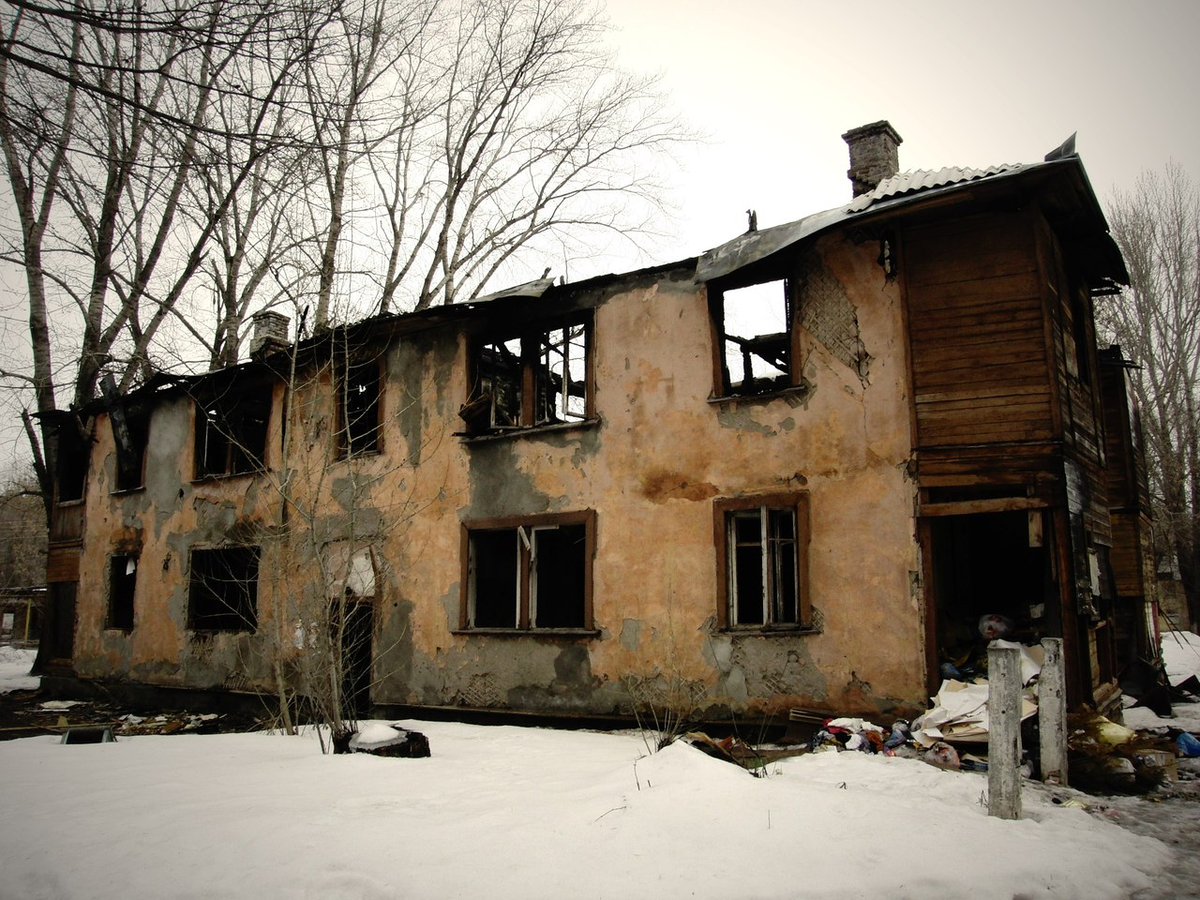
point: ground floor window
(122, 578)
(224, 589)
(762, 548)
(529, 574)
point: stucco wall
(651, 468)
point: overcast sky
(775, 84)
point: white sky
(776, 83)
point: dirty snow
(507, 812)
(15, 664)
(1181, 655)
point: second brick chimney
(874, 155)
(270, 334)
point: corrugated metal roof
(924, 180)
(899, 189)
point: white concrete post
(1052, 713)
(1004, 731)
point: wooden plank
(1035, 389)
(989, 505)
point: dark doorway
(60, 619)
(357, 634)
(991, 564)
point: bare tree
(106, 114)
(527, 131)
(1157, 226)
(177, 165)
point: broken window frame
(530, 540)
(518, 383)
(360, 424)
(122, 591)
(130, 474)
(780, 350)
(223, 588)
(72, 459)
(784, 601)
(232, 427)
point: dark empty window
(70, 462)
(122, 577)
(540, 377)
(764, 542)
(224, 589)
(131, 433)
(529, 576)
(231, 428)
(754, 324)
(359, 395)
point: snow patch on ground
(1181, 656)
(507, 812)
(15, 664)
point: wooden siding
(62, 563)
(977, 333)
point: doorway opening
(993, 576)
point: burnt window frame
(237, 568)
(232, 427)
(726, 511)
(523, 534)
(786, 341)
(120, 614)
(529, 407)
(130, 474)
(72, 461)
(360, 433)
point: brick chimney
(874, 155)
(270, 334)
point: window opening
(762, 545)
(122, 579)
(500, 381)
(71, 463)
(756, 337)
(360, 406)
(224, 589)
(538, 378)
(558, 563)
(231, 430)
(562, 376)
(530, 576)
(131, 448)
(763, 568)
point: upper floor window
(755, 337)
(72, 452)
(131, 434)
(529, 574)
(763, 553)
(360, 395)
(541, 376)
(231, 427)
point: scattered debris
(392, 740)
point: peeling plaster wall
(651, 468)
(162, 522)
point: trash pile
(866, 737)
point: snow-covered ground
(507, 812)
(14, 669)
